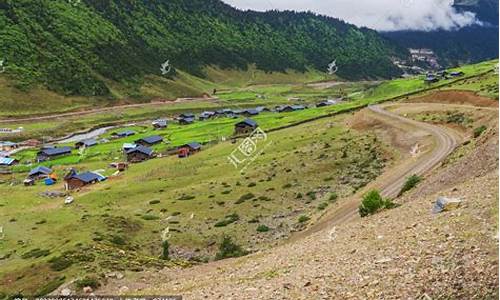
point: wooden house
(149, 141)
(188, 149)
(139, 154)
(245, 127)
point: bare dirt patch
(455, 97)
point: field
(119, 224)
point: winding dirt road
(445, 142)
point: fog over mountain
(383, 15)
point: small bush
(478, 131)
(228, 249)
(49, 287)
(165, 250)
(373, 202)
(117, 240)
(323, 206)
(229, 219)
(410, 183)
(148, 217)
(60, 263)
(35, 253)
(333, 197)
(262, 228)
(186, 197)
(287, 186)
(252, 184)
(303, 219)
(312, 195)
(153, 202)
(88, 281)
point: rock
(87, 290)
(123, 289)
(66, 292)
(446, 204)
(116, 275)
(69, 200)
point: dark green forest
(75, 47)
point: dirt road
(445, 141)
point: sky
(383, 15)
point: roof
(7, 144)
(186, 115)
(56, 151)
(6, 161)
(192, 145)
(187, 120)
(126, 133)
(251, 111)
(88, 177)
(40, 169)
(247, 122)
(129, 146)
(160, 122)
(154, 139)
(87, 142)
(141, 149)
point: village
(133, 150)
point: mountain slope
(75, 47)
(466, 45)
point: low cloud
(383, 15)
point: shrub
(117, 240)
(262, 228)
(148, 217)
(228, 249)
(88, 281)
(303, 219)
(478, 131)
(165, 250)
(373, 202)
(312, 195)
(245, 197)
(35, 253)
(333, 197)
(153, 202)
(410, 183)
(252, 184)
(228, 220)
(287, 186)
(48, 287)
(323, 206)
(60, 263)
(186, 197)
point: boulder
(446, 204)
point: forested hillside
(79, 47)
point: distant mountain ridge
(79, 47)
(466, 45)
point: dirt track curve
(444, 143)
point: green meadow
(308, 163)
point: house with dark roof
(188, 149)
(245, 127)
(289, 108)
(431, 79)
(123, 134)
(149, 141)
(75, 181)
(39, 172)
(139, 154)
(207, 115)
(186, 116)
(457, 74)
(160, 124)
(8, 161)
(186, 121)
(250, 112)
(86, 143)
(52, 152)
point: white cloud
(388, 15)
